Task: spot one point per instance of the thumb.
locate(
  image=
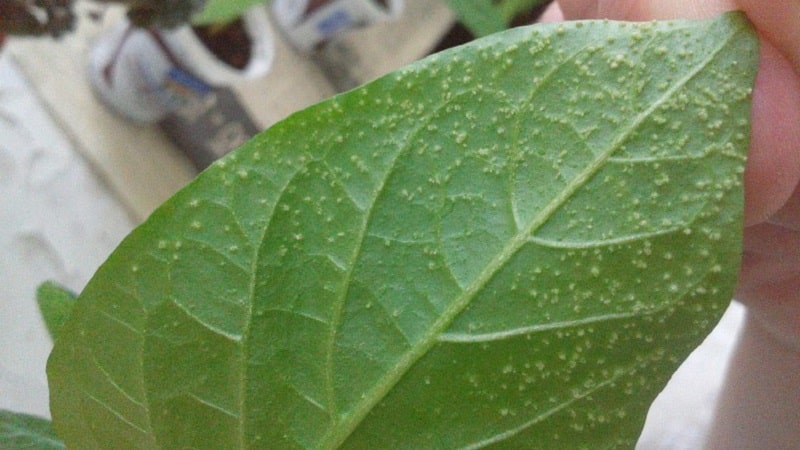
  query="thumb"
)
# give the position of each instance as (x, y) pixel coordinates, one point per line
(640, 10)
(779, 23)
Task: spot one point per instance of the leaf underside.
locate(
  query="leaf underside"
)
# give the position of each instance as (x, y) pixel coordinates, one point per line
(511, 244)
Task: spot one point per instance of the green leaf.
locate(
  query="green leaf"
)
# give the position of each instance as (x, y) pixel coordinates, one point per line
(24, 432)
(513, 243)
(484, 17)
(216, 11)
(55, 303)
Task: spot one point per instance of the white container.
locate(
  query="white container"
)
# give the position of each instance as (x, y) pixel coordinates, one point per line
(307, 23)
(144, 74)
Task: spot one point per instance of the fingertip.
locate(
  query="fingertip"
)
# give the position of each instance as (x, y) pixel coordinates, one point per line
(779, 23)
(644, 10)
(553, 13)
(773, 165)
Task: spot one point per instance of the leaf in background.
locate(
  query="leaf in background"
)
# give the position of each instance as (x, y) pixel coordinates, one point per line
(216, 11)
(24, 432)
(511, 8)
(55, 303)
(484, 17)
(515, 243)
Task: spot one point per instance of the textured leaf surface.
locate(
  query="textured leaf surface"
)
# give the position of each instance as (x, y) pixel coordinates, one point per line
(55, 303)
(514, 243)
(484, 17)
(25, 432)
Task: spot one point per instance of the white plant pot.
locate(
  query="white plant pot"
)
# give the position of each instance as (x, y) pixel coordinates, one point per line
(306, 25)
(145, 74)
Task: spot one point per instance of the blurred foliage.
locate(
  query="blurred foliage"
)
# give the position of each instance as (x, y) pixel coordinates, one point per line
(484, 17)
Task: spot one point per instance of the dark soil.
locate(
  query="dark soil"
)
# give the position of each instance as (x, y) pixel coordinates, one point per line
(228, 42)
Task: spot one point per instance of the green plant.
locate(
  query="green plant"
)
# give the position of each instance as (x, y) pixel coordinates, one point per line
(484, 17)
(22, 431)
(223, 10)
(512, 243)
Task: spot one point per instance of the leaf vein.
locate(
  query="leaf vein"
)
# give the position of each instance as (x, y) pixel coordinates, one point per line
(204, 324)
(114, 384)
(348, 278)
(297, 313)
(212, 405)
(472, 338)
(500, 437)
(599, 242)
(205, 245)
(114, 412)
(251, 295)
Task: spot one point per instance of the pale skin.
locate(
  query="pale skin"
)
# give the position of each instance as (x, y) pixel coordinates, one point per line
(760, 402)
